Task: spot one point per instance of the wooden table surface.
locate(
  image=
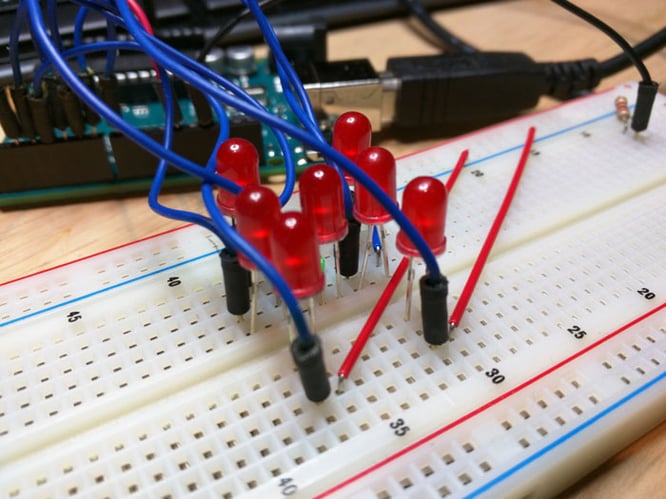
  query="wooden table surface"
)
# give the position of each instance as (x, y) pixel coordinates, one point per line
(36, 239)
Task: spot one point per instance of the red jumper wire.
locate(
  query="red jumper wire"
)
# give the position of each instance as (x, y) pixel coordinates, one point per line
(487, 247)
(351, 358)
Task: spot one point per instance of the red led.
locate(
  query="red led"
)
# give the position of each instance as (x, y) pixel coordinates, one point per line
(295, 253)
(379, 164)
(322, 201)
(237, 160)
(424, 204)
(352, 134)
(257, 212)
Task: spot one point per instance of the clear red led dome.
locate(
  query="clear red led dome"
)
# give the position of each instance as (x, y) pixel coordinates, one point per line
(257, 211)
(352, 134)
(322, 201)
(379, 164)
(424, 204)
(236, 160)
(295, 254)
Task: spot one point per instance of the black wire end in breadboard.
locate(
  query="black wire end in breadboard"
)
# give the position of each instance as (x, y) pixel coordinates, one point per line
(237, 282)
(309, 359)
(434, 312)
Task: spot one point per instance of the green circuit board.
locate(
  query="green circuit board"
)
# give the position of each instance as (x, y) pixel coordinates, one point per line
(121, 169)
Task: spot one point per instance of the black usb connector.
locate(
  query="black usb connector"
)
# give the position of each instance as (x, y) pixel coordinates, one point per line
(452, 93)
(452, 90)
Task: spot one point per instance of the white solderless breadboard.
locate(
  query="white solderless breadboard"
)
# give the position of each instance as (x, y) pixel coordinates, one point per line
(122, 374)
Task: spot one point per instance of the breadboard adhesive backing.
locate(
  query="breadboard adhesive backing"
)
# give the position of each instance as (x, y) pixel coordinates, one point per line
(123, 374)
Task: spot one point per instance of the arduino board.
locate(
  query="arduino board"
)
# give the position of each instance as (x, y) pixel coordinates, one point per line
(102, 163)
(121, 373)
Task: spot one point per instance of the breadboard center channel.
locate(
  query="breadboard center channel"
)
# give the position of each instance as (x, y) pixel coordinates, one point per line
(121, 373)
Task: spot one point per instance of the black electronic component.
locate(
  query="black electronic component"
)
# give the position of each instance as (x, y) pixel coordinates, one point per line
(460, 92)
(434, 312)
(193, 142)
(177, 113)
(56, 108)
(201, 106)
(8, 120)
(72, 107)
(39, 108)
(302, 42)
(19, 95)
(452, 90)
(134, 162)
(247, 128)
(236, 283)
(32, 166)
(214, 60)
(91, 116)
(309, 360)
(349, 248)
(108, 86)
(647, 88)
(134, 90)
(569, 79)
(240, 60)
(448, 93)
(346, 71)
(647, 91)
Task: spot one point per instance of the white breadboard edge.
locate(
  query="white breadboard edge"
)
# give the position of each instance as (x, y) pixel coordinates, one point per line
(122, 374)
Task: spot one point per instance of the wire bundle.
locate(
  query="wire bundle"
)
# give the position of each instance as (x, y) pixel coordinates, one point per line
(170, 64)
